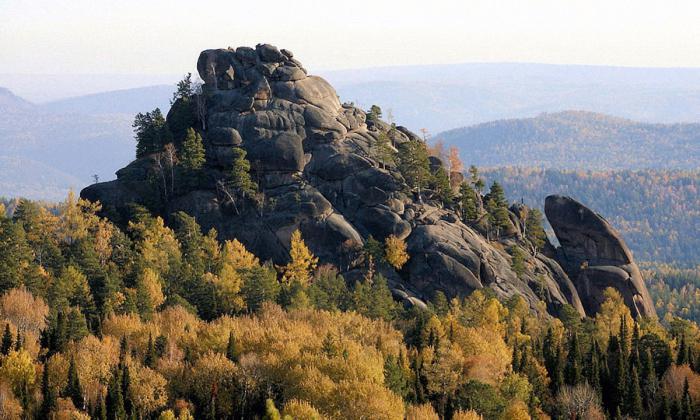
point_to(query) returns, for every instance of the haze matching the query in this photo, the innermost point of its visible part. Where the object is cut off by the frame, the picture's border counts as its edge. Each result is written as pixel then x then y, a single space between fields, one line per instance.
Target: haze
pixel 161 37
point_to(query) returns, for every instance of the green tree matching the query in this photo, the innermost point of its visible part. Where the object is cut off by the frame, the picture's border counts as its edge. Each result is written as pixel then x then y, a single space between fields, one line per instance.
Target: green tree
pixel 374 114
pixel 15 254
pixel 49 396
pixel 6 341
pixel 633 395
pixel 192 156
pixel 151 132
pixel 517 260
pixel 497 208
pixel 573 369
pixel 260 285
pixel 533 229
pixel 476 180
pixel 241 181
pixel 232 348
pixel 414 165
pixel 383 150
pixel 73 389
pixel 440 182
pixel 468 203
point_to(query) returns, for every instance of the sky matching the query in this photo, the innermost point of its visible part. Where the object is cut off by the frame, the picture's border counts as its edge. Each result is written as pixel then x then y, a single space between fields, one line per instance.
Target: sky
pixel 165 37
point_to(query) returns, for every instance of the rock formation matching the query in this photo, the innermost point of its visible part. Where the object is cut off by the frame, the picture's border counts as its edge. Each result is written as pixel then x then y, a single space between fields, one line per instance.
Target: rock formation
pixel 315 162
pixel 595 256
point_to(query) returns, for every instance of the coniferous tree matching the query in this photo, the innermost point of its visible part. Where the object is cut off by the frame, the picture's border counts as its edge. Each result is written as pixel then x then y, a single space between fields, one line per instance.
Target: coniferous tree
pixel 467 201
pixel 682 358
pixel 573 369
pixel 151 132
pixel 6 341
pixel 231 348
pixel 649 381
pixel 497 208
pixel 633 395
pixel 517 260
pixel 49 397
pixel 414 165
pixel 73 389
pixel 440 183
pixel 115 397
pixel 18 341
pixel 533 229
pixel 686 412
pixel 192 154
pixel 102 410
pixel 151 356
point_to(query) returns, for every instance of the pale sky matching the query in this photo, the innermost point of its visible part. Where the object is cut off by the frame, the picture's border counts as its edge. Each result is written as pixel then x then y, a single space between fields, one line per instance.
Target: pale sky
pixel 166 36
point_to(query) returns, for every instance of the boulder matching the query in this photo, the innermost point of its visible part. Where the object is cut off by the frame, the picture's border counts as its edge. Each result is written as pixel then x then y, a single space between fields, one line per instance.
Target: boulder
pixel 594 254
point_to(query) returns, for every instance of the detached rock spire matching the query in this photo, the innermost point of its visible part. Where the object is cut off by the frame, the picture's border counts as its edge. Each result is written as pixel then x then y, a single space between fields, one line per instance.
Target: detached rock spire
pixel 595 256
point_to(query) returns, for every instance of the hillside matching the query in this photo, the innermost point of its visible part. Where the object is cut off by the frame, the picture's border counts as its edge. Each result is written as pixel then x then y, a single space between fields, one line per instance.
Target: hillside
pixel 49 149
pixel 578 140
pixel 657 211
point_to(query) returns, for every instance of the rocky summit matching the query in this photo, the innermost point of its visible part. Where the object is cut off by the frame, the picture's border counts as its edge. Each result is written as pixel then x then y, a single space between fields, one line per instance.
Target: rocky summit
pixel 316 164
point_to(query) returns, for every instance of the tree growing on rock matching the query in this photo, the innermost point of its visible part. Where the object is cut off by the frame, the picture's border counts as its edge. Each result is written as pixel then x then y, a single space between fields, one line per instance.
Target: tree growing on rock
pixel 497 207
pixel 467 201
pixel 192 155
pixel 414 165
pixel 151 132
pixel 395 251
pixel 534 231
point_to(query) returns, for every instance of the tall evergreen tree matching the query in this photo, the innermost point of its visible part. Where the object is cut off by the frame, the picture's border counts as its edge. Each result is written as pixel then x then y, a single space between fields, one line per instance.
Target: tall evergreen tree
pixel 150 358
pixel 231 348
pixel 414 165
pixel 633 395
pixel 115 397
pixel 151 132
pixel 467 201
pixel 241 181
pixel 497 208
pixel 6 341
pixel 192 154
pixel 49 397
pixel 573 370
pixel 73 389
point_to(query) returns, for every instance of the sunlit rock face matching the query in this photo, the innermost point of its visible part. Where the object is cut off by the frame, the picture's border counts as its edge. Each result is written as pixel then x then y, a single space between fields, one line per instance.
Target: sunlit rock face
pixel 595 256
pixel 314 159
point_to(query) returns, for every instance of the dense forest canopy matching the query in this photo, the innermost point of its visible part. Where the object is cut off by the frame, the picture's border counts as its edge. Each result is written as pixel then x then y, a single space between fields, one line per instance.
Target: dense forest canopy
pixel 160 322
pixel 657 211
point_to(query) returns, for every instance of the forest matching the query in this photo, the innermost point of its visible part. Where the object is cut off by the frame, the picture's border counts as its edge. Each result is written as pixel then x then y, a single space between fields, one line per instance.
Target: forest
pixel 150 321
pixel 657 211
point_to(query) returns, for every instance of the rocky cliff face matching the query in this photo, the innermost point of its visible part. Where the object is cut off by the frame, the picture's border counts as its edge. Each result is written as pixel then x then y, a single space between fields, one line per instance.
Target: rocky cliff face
pixel 595 256
pixel 314 159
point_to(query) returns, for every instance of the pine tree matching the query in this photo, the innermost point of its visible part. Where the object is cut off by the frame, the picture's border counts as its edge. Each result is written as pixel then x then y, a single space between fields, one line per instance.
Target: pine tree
pixel 497 207
pixel 73 389
pixel 686 403
pixel 414 165
pixel 440 183
pixel 231 348
pixel 593 367
pixel 682 358
pixel 572 371
pixel 151 132
pixel 533 229
pixel 101 409
pixel 6 341
pixel 383 150
pixel 49 401
pixel 241 181
pixel 115 397
pixel 517 260
pixel 467 202
pixel 192 156
pixel 633 395
pixel 150 359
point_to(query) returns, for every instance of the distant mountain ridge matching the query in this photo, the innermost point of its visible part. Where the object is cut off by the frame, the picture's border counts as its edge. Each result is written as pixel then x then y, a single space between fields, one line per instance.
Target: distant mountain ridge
pixel 578 140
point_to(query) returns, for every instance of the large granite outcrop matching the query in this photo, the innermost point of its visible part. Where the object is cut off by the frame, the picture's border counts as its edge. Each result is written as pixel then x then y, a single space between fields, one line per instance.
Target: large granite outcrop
pixel 314 159
pixel 595 256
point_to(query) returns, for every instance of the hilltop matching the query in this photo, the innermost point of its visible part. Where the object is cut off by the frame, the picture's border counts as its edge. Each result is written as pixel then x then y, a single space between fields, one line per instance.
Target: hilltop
pixel 578 140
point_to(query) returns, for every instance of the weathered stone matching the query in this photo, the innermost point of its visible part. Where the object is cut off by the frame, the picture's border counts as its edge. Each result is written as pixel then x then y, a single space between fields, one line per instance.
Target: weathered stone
pixel 594 254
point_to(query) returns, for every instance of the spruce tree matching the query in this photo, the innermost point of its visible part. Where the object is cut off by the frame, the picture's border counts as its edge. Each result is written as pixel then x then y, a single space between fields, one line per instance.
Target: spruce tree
pixel 414 165
pixel 151 132
pixel 687 412
pixel 115 398
pixel 192 155
pixel 150 358
pixel 73 389
pixel 231 348
pixel 467 202
pixel 533 229
pixel 19 341
pixel 6 341
pixel 497 207
pixel 682 356
pixel 101 409
pixel 49 397
pixel 633 395
pixel 241 181
pixel 572 371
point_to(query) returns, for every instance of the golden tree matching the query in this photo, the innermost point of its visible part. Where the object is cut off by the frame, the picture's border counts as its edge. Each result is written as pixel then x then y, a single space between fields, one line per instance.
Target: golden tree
pixel 395 251
pixel 302 262
pixel 238 256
